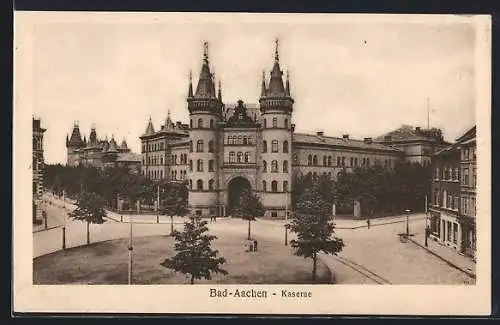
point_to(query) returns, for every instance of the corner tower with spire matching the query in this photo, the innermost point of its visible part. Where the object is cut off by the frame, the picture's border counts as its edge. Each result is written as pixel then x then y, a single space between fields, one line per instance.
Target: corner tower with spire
pixel 276 107
pixel 205 113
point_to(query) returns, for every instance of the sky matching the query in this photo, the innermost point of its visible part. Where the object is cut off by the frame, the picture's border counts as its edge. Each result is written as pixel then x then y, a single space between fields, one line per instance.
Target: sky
pixel 363 78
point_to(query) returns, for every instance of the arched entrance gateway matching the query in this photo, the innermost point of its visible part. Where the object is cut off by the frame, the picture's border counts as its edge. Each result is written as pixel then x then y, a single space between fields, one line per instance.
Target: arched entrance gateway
pixel 234 190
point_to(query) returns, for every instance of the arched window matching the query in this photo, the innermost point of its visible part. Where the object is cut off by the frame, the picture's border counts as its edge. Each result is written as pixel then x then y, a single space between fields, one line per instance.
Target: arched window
pixel 309 160
pixel 264 166
pixel 338 161
pixel 175 159
pixel 173 174
pixel 274 166
pixel 211 123
pixel 285 186
pixel 191 184
pixel 191 146
pixel 190 165
pixel 285 146
pixel 264 186
pixel 343 161
pixel 275 122
pixel 245 140
pixel 211 165
pixel 200 123
pixel 324 160
pixel 199 185
pixel 199 146
pixel 211 146
pixel 264 123
pixel 211 184
pixel 199 165
pixel 230 140
pixel 285 166
pixel 247 157
pixel 264 146
pixel 239 157
pixel 274 146
pixel 274 186
pixel 232 157
pixel 235 139
pixel 315 160
pixel 329 160
pixel 240 139
pixel 329 174
pixel 286 123
pixel 161 160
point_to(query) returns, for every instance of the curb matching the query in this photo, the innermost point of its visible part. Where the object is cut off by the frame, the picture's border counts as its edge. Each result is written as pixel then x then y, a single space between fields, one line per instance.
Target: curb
pixel 470 274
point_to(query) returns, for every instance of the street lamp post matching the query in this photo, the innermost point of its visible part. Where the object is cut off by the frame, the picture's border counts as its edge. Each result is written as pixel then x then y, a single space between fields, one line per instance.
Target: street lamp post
pixel 407 222
pixel 426 230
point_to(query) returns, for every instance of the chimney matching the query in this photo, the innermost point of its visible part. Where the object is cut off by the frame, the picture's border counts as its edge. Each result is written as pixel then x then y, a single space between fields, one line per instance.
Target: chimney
pixel 320 133
pixel 345 136
pixel 367 140
pixel 417 129
pixel 387 138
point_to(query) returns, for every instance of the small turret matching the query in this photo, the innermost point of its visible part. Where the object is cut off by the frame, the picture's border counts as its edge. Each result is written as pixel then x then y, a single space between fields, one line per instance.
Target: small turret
pixel 287 86
pixel 112 145
pixel 169 125
pixel 149 129
pixel 76 139
pixel 190 90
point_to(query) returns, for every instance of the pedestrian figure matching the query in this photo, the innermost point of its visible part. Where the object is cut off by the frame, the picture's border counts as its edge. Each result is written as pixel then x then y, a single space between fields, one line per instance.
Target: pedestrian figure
pixel 368 223
pixel 255 245
pixel 215 218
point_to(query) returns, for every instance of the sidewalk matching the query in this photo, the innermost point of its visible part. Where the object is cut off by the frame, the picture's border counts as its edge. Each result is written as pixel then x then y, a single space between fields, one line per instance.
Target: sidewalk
pixel 447 254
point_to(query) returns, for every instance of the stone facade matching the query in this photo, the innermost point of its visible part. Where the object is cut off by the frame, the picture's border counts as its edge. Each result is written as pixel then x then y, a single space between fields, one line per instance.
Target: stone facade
pixel 452 207
pixel 228 147
pixel 37 166
pixel 99 153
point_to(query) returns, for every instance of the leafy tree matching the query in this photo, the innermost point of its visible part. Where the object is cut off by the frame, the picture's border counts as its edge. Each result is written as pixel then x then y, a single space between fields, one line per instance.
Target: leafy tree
pixel 175 202
pixel 248 208
pixel 89 208
pixel 194 253
pixel 314 228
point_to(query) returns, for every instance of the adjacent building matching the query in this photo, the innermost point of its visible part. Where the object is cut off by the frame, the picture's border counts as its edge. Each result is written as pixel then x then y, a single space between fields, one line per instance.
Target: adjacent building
pixel 452 207
pixel 468 165
pixel 99 153
pixel 37 166
pixel 226 148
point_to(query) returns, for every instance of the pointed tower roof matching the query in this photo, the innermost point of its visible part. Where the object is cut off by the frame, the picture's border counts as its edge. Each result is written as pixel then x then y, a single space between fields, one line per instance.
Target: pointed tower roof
pixel 263 89
pixel 190 90
pixel 149 129
pixel 276 88
pixel 123 145
pixel 219 94
pixel 76 138
pixel 93 136
pixel 169 125
pixel 276 95
pixel 287 85
pixel 205 88
pixel 113 147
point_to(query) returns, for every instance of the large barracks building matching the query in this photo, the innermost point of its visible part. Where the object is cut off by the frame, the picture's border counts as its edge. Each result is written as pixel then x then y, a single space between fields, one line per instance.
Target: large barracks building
pixel 226 148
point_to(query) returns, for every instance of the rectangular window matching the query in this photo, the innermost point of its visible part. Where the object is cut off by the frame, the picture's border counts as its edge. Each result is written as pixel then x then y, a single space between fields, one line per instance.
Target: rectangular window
pixel 210 165
pixel 352 161
pixel 474 177
pixel 466 176
pixel 448 237
pixel 455 204
pixel 274 214
pixel 465 206
pixel 473 206
pixel 455 233
pixel 274 147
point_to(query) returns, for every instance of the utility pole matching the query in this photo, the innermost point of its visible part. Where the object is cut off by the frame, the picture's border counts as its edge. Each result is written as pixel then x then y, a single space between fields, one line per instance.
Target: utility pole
pixel 407 223
pixel 428 113
pixel 157 203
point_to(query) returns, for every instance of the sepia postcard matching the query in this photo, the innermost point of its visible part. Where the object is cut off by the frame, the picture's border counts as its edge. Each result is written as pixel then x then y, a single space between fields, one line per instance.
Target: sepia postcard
pixel 242 163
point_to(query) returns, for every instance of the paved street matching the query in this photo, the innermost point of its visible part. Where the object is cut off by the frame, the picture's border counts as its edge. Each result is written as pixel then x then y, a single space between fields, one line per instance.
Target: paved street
pixel 371 256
